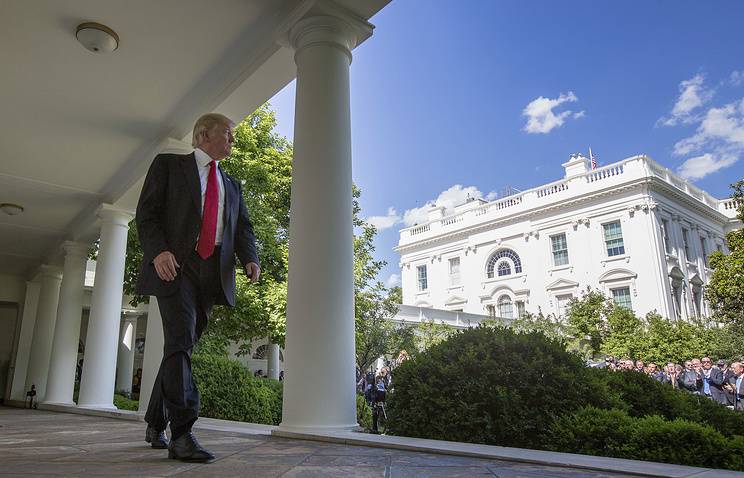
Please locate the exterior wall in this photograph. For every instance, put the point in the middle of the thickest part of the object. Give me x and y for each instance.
(637, 192)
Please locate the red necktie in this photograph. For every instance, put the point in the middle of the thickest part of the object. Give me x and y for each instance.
(205, 247)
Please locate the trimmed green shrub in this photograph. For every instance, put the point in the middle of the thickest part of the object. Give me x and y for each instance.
(229, 391)
(364, 413)
(489, 385)
(123, 403)
(593, 431)
(640, 395)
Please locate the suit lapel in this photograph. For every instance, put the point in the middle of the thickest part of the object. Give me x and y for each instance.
(227, 183)
(191, 174)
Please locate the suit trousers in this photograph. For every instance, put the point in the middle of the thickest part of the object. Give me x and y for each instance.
(175, 397)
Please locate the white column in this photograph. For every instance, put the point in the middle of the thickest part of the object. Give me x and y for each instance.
(272, 360)
(99, 367)
(125, 359)
(20, 369)
(153, 352)
(63, 360)
(41, 345)
(320, 302)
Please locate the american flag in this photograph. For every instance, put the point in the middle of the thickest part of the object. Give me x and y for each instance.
(592, 158)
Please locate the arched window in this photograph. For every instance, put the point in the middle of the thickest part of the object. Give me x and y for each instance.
(506, 309)
(506, 260)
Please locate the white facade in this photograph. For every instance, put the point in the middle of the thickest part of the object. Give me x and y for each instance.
(632, 229)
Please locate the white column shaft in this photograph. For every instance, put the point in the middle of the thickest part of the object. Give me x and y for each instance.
(41, 345)
(30, 305)
(320, 302)
(153, 352)
(63, 361)
(125, 360)
(272, 360)
(99, 367)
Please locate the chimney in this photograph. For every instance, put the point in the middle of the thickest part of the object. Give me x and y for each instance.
(577, 164)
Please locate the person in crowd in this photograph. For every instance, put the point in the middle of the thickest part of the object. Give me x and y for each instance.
(627, 364)
(735, 385)
(690, 379)
(137, 384)
(639, 366)
(670, 376)
(712, 381)
(696, 365)
(655, 373)
(727, 374)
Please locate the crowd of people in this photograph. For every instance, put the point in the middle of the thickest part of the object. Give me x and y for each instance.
(721, 382)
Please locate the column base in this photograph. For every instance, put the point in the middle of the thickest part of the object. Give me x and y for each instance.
(59, 404)
(312, 429)
(106, 407)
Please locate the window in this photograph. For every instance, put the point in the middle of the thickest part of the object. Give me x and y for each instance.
(504, 259)
(621, 297)
(505, 305)
(423, 284)
(520, 308)
(563, 301)
(697, 301)
(454, 271)
(613, 236)
(560, 249)
(704, 249)
(665, 235)
(686, 244)
(677, 301)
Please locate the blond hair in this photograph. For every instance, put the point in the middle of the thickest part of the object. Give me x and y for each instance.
(207, 122)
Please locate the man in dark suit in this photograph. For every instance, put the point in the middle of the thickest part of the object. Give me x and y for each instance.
(712, 381)
(192, 222)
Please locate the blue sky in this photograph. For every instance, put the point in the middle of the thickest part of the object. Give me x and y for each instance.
(451, 97)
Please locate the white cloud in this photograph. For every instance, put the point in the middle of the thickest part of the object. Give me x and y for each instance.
(692, 95)
(491, 196)
(721, 132)
(701, 166)
(580, 114)
(393, 280)
(385, 222)
(448, 199)
(540, 115)
(737, 78)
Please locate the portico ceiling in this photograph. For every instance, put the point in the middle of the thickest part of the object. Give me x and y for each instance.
(79, 128)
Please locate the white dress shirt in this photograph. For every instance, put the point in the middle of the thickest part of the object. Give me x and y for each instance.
(202, 165)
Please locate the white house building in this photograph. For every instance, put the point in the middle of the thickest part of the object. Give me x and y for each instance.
(632, 229)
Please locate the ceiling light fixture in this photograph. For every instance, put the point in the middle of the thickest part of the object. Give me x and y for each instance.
(97, 38)
(11, 209)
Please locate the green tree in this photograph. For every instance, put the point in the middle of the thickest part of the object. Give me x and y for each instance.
(725, 292)
(587, 318)
(624, 332)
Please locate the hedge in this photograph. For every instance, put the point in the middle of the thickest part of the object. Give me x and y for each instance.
(229, 391)
(640, 395)
(614, 433)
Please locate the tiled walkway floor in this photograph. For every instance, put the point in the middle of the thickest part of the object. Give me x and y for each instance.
(39, 443)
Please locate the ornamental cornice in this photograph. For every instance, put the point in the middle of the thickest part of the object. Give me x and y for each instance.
(650, 181)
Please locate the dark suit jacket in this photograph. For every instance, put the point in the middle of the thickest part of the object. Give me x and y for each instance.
(169, 219)
(715, 381)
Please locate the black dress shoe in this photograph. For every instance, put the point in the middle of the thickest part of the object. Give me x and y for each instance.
(156, 438)
(186, 448)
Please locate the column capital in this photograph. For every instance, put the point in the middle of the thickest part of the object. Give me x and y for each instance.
(328, 30)
(50, 271)
(113, 215)
(75, 249)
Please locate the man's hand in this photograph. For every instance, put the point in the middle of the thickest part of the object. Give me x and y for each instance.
(253, 271)
(166, 265)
